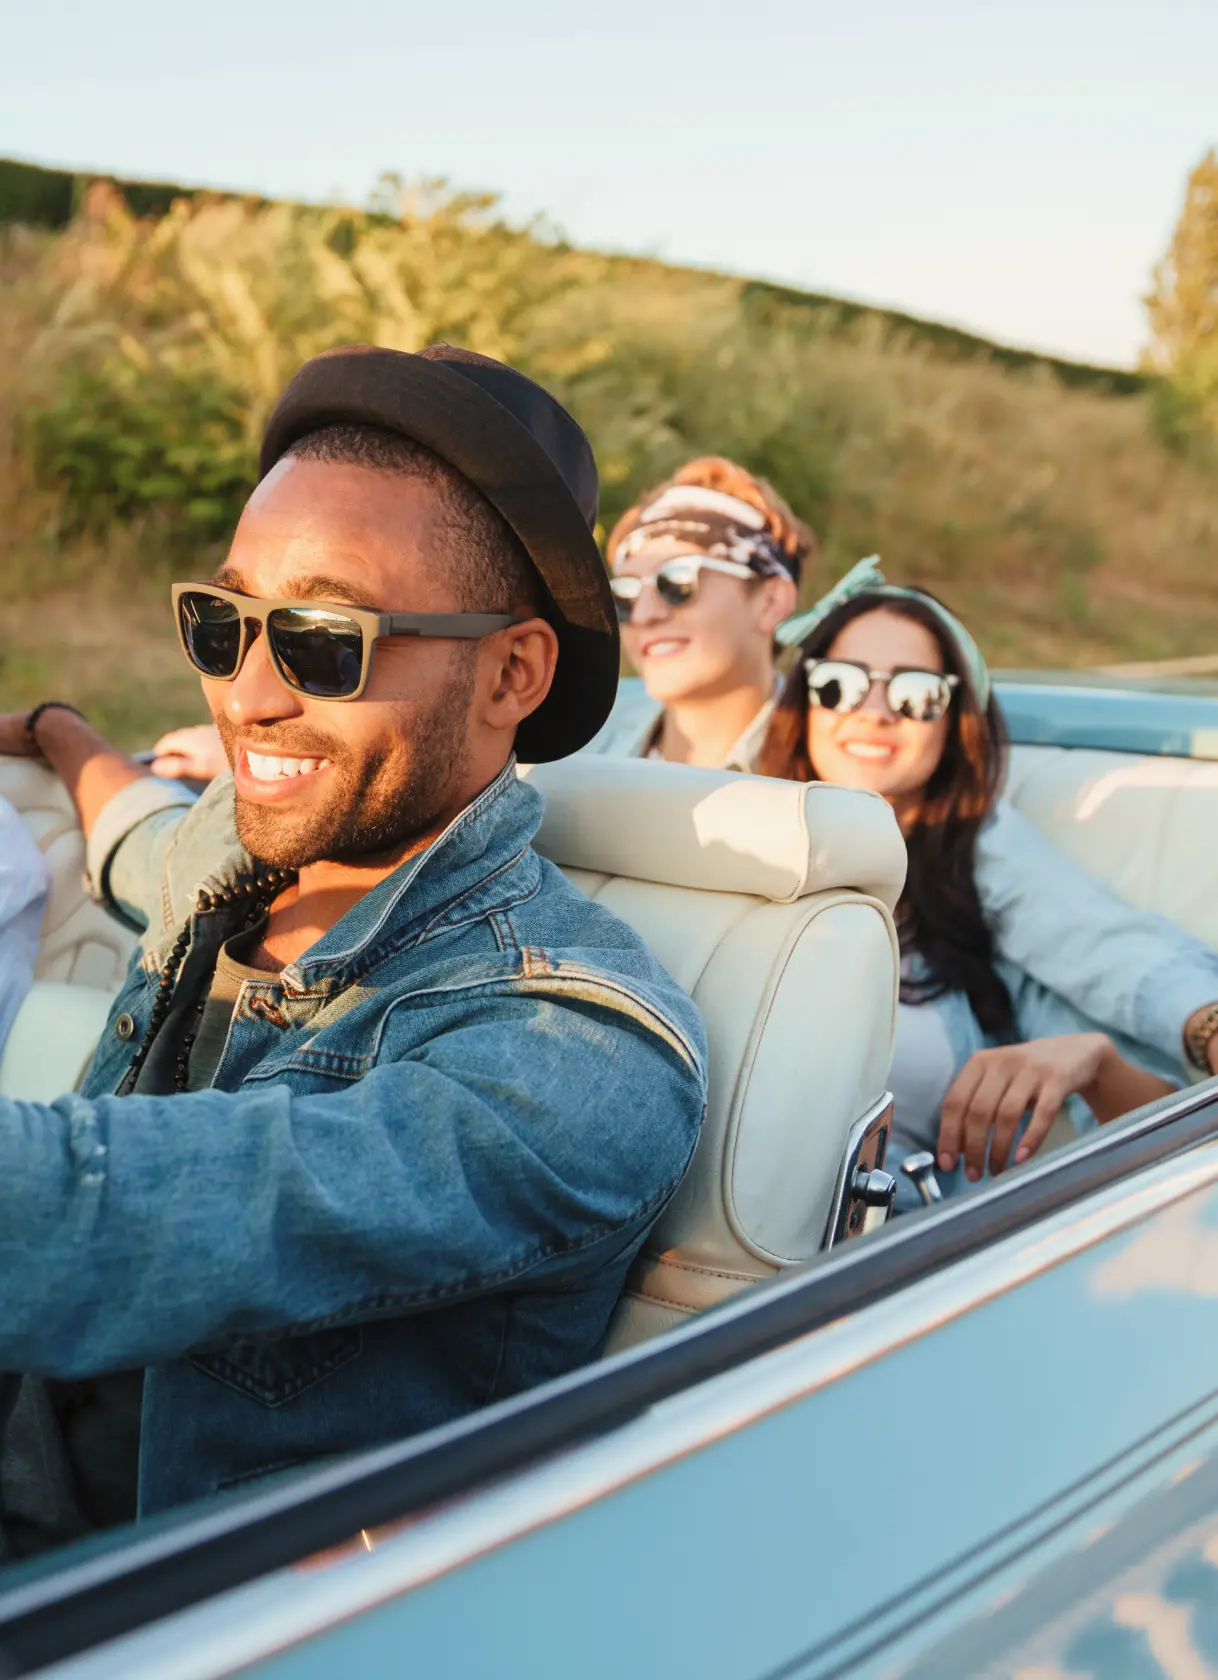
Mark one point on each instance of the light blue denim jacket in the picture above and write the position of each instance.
(433, 1145)
(1075, 956)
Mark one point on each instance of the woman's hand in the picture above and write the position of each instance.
(996, 1088)
(195, 753)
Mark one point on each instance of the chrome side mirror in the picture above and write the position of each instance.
(863, 1195)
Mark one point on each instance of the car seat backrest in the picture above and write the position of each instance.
(81, 944)
(1143, 824)
(770, 902)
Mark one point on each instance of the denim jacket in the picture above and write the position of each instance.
(1075, 957)
(433, 1145)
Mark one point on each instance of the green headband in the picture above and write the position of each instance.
(867, 579)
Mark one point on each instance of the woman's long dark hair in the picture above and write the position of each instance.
(939, 916)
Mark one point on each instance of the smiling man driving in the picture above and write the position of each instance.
(385, 1106)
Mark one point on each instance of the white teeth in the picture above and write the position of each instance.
(265, 768)
(659, 649)
(867, 749)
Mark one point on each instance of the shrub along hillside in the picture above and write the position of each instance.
(141, 357)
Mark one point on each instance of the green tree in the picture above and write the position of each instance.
(1183, 312)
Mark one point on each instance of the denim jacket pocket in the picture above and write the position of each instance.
(276, 1371)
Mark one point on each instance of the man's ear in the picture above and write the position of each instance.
(778, 598)
(523, 659)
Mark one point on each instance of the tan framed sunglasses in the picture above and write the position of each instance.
(318, 648)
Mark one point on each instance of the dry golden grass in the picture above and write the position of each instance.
(1051, 518)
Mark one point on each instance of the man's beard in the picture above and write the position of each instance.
(397, 794)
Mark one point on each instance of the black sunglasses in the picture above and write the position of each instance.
(321, 650)
(841, 685)
(675, 582)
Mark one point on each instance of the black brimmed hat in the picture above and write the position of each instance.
(531, 461)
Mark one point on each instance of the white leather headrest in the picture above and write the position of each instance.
(716, 830)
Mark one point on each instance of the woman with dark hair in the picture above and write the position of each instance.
(1026, 985)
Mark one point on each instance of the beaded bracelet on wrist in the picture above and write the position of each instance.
(31, 722)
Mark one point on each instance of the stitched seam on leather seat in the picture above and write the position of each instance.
(658, 1301)
(706, 1271)
(665, 1301)
(817, 905)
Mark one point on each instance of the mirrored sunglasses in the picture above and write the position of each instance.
(675, 582)
(318, 649)
(840, 685)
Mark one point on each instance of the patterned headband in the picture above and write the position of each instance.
(867, 579)
(711, 522)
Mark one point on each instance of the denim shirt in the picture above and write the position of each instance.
(433, 1146)
(1075, 957)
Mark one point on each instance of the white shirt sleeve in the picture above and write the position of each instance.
(24, 884)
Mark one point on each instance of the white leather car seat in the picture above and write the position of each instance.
(1143, 824)
(82, 956)
(770, 902)
(81, 944)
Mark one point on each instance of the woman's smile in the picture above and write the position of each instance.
(878, 752)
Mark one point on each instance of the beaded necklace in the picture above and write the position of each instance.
(259, 889)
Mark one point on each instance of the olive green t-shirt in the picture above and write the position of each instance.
(230, 975)
(211, 1028)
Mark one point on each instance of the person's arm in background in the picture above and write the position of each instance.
(88, 766)
(194, 754)
(116, 800)
(1129, 970)
(996, 1088)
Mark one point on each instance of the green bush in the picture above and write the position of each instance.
(122, 445)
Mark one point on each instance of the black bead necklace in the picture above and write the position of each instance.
(258, 890)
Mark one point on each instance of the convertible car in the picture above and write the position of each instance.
(978, 1440)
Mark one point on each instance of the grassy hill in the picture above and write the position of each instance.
(141, 354)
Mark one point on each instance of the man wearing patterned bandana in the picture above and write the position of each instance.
(705, 568)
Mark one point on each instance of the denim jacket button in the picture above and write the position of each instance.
(125, 1027)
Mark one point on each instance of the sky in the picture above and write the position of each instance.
(1013, 168)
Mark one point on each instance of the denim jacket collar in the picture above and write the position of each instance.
(492, 833)
(489, 835)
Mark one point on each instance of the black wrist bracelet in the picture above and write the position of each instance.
(31, 721)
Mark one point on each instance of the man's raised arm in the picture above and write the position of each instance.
(88, 766)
